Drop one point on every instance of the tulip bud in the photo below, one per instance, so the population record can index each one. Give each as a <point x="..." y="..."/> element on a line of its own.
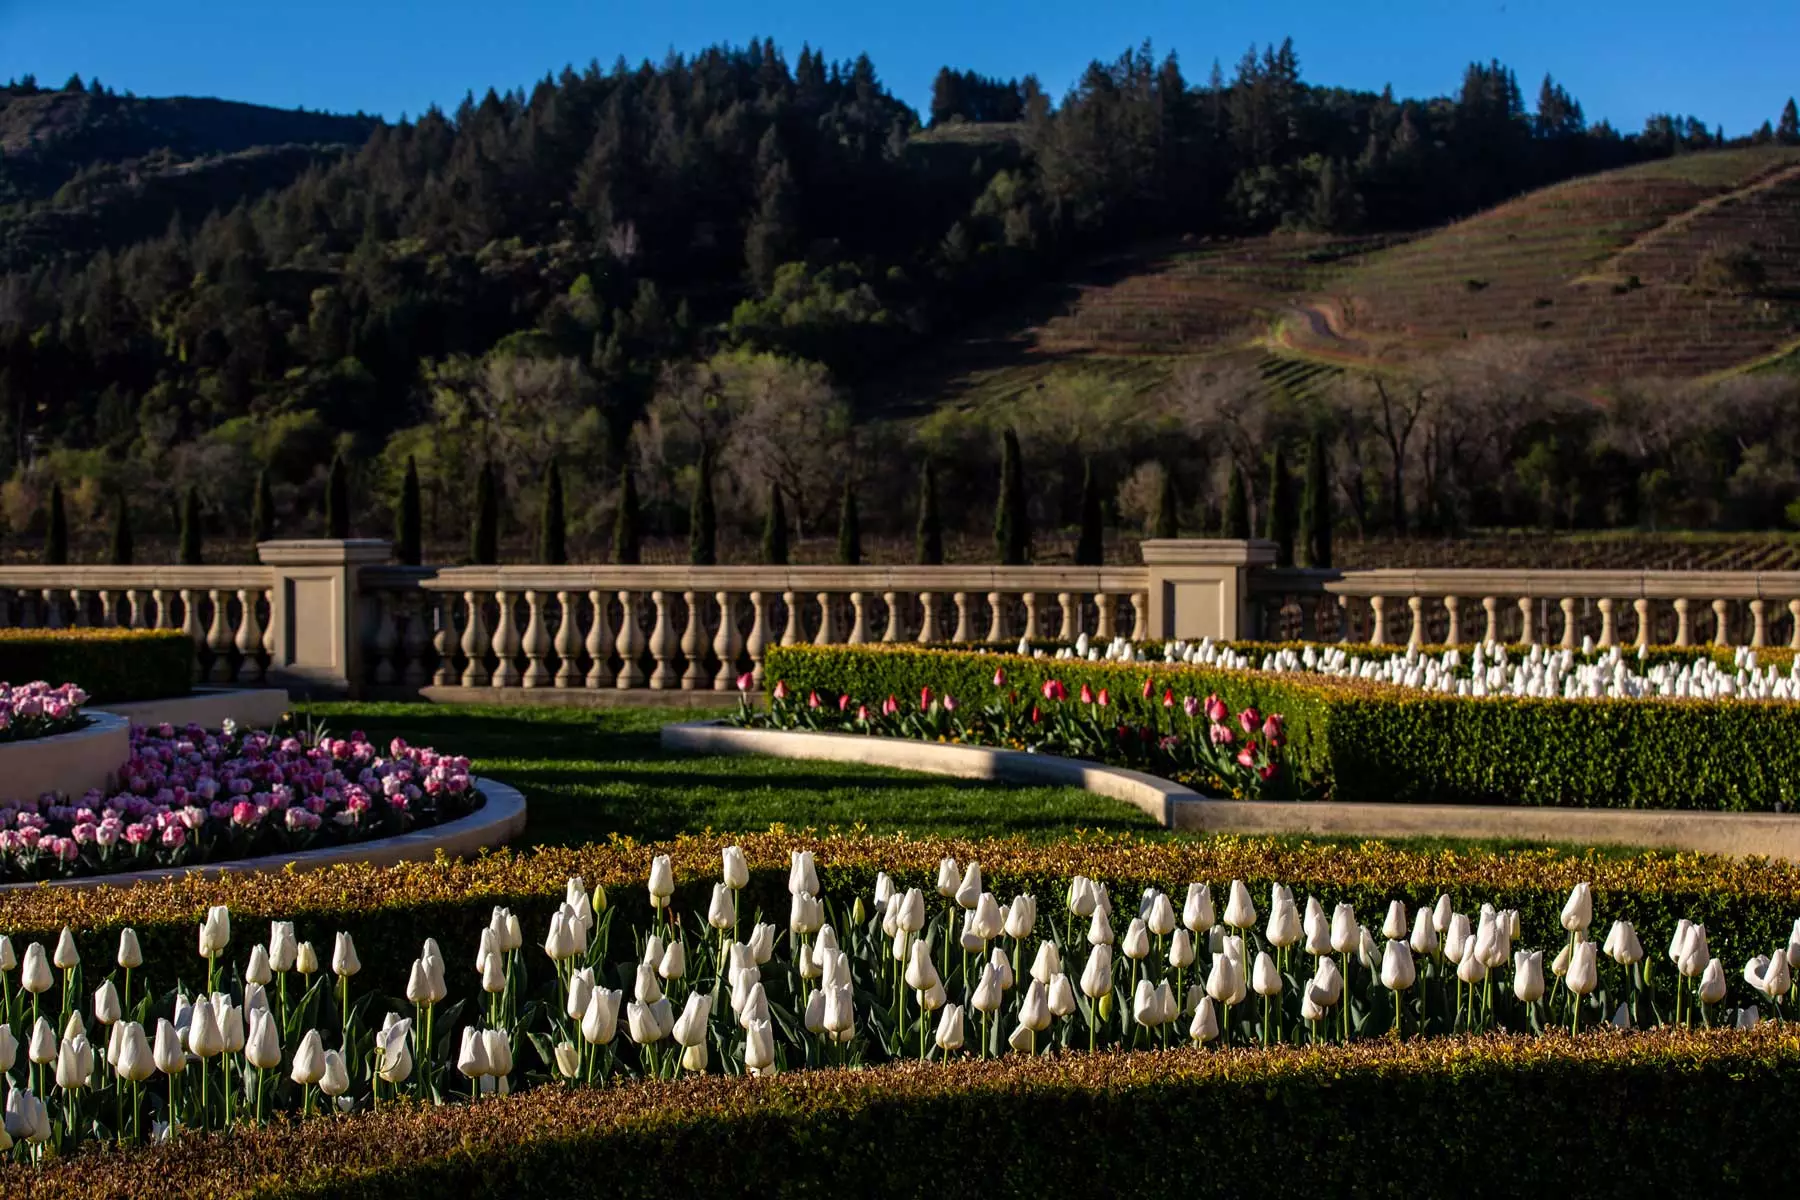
<point x="1345" y="932"/>
<point x="1578" y="911"/>
<point x="1424" y="933"/>
<point x="1441" y="913"/>
<point x="1622" y="944"/>
<point x="759" y="1047"/>
<point x="1240" y="910"/>
<point x="1021" y="916"/>
<point x="35" y="975"/>
<point x="1712" y="982"/>
<point x="1205" y="1026"/>
<point x="309" y="1060"/>
<point x="662" y="881"/>
<point x="1584" y="970"/>
<point x="1397" y="971"/>
<point x="1284" y="928"/>
<point x="1394" y="928"/>
<point x="948" y="877"/>
<point x="1096" y="976"/>
<point x="1181" y="950"/>
<point x="1136" y="943"/>
<point x="306" y="959"/>
<point x="262" y="1049"/>
<point x="169" y="1054"/>
<point x="1528" y="975"/>
<point x="336" y="1080"/>
<point x="1265" y="979"/>
<point x="66" y="957"/>
<point x="344" y="962"/>
<point x="734" y="869"/>
<point x="1197" y="911"/>
<point x="106" y="1003"/>
<point x="131" y="956"/>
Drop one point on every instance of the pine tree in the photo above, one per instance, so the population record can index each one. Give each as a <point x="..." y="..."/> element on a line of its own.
<point x="407" y="518"/>
<point x="262" y="509"/>
<point x="1090" y="547"/>
<point x="775" y="531"/>
<point x="1787" y="130"/>
<point x="1165" y="523"/>
<point x="703" y="517"/>
<point x="1315" y="506"/>
<point x="931" y="526"/>
<point x="1012" y="533"/>
<point x="1278" y="526"/>
<point x="190" y="555"/>
<point x="553" y="547"/>
<point x="849" y="548"/>
<point x="56" y="540"/>
<point x="1237" y="508"/>
<point x="337" y="500"/>
<point x="121" y="539"/>
<point x="484" y="537"/>
<point x="627" y="547"/>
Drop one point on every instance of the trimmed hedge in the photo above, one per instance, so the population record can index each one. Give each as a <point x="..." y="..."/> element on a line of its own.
<point x="1358" y="740"/>
<point x="112" y="666"/>
<point x="1605" y="1115"/>
<point x="1747" y="905"/>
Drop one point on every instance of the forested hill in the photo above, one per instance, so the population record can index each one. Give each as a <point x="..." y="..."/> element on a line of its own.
<point x="575" y="240"/>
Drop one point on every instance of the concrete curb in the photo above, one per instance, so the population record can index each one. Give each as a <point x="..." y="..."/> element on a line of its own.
<point x="1774" y="835"/>
<point x="251" y="708"/>
<point x="70" y="763"/>
<point x="500" y="819"/>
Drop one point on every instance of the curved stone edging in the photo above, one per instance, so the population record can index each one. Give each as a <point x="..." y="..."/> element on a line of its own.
<point x="500" y="818"/>
<point x="71" y="763"/>
<point x="1775" y="835"/>
<point x="254" y="708"/>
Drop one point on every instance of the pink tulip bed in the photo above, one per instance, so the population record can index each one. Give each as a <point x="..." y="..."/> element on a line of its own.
<point x="37" y="710"/>
<point x="1200" y="741"/>
<point x="189" y="796"/>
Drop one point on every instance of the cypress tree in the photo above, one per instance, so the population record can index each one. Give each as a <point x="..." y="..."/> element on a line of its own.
<point x="849" y="550"/>
<point x="484" y="537"/>
<point x="1090" y="547"/>
<point x="1278" y="525"/>
<point x="553" y="547"/>
<point x="775" y="532"/>
<point x="121" y="539"/>
<point x="1163" y="523"/>
<point x="407" y="519"/>
<point x="337" y="500"/>
<point x="1315" y="506"/>
<point x="56" y="539"/>
<point x="1012" y="534"/>
<point x="931" y="526"/>
<point x="262" y="509"/>
<point x="627" y="548"/>
<point x="1237" y="508"/>
<point x="190" y="528"/>
<point x="703" y="518"/>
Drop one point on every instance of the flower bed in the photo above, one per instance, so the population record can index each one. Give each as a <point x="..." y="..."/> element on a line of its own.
<point x="1321" y="1122"/>
<point x="188" y="797"/>
<point x="1366" y="741"/>
<point x="941" y="970"/>
<point x="37" y="710"/>
<point x="111" y="665"/>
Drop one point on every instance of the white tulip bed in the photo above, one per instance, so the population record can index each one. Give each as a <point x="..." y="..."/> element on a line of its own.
<point x="1485" y="670"/>
<point x="282" y="1026"/>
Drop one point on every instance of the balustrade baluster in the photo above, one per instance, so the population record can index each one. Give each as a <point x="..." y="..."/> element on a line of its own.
<point x="894" y="632"/>
<point x="1033" y="617"/>
<point x="52" y="610"/>
<point x="662" y="645"/>
<point x="568" y="642"/>
<point x="758" y="641"/>
<point x="1641" y="606"/>
<point x="165" y="612"/>
<point x="1759" y="623"/>
<point x="963" y="632"/>
<point x="251" y="667"/>
<point x="1378" y="635"/>
<point x="1684" y="631"/>
<point x="443" y="639"/>
<point x="1721" y="622"/>
<point x="536" y="642"/>
<point x="109" y="608"/>
<point x="996" y="617"/>
<point x="475" y="643"/>
<point x="1609" y="632"/>
<point x="1106" y="624"/>
<point x="219" y="638"/>
<point x="1528" y="632"/>
<point x="1415" y="637"/>
<point x="267" y="596"/>
<point x="1794" y="616"/>
<point x="600" y="641"/>
<point x="1570" y="623"/>
<point x="859" y="620"/>
<point x="828" y="634"/>
<point x="1140" y="616"/>
<point x="506" y="642"/>
<point x="693" y="643"/>
<point x="1452" y="620"/>
<point x="196" y="632"/>
<point x="793" y="633"/>
<point x="928" y="620"/>
<point x="631" y="643"/>
<point x="1071" y="616"/>
<point x="415" y="640"/>
<point x="728" y="643"/>
<point x="387" y="638"/>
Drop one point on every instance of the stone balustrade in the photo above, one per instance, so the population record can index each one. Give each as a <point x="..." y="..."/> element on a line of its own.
<point x="1556" y="608"/>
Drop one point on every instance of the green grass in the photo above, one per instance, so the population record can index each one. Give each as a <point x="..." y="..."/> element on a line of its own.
<point x="587" y="774"/>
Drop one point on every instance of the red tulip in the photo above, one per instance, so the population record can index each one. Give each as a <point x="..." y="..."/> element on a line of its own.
<point x="812" y="699"/>
<point x="781" y="692"/>
<point x="1216" y="710"/>
<point x="1168" y="697"/>
<point x="924" y="698"/>
<point x="999" y="677"/>
<point x="1149" y="688"/>
<point x="1221" y="735"/>
<point x="746" y="681"/>
<point x="889" y="707"/>
<point x="1247" y="756"/>
<point x="844" y="702"/>
<point x="1249" y="719"/>
<point x="1269" y="771"/>
<point x="1273" y="730"/>
<point x="949" y="703"/>
<point x="1087" y="694"/>
<point x="862" y="712"/>
<point x="1054" y="690"/>
<point x="1104" y="698"/>
<point x="1036" y="716"/>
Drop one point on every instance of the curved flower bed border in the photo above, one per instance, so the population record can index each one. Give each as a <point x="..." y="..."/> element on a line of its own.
<point x="72" y="762"/>
<point x="498" y="819"/>
<point x="1179" y="807"/>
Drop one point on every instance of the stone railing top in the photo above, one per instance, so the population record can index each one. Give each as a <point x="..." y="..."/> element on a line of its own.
<point x="1212" y="552"/>
<point x="147" y="577"/>
<point x="1475" y="583"/>
<point x="312" y="552"/>
<point x="677" y="577"/>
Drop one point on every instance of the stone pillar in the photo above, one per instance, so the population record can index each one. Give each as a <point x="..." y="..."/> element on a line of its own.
<point x="1200" y="587"/>
<point x="314" y="614"/>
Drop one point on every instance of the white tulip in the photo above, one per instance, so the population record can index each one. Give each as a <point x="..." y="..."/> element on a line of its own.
<point x="1316" y="928"/>
<point x="1136" y="942"/>
<point x="722" y="912"/>
<point x="1240" y="910"/>
<point x="911" y="915"/>
<point x="9" y="1049"/>
<point x="949" y="1035"/>
<point x="169" y="1054"/>
<point x="34" y="975"/>
<point x="1284" y="927"/>
<point x="1394" y="928"/>
<point x="968" y="892"/>
<point x="262" y="1048"/>
<point x="560" y="942"/>
<point x="1021" y="917"/>
<point x="1329" y="980"/>
<point x="1345" y="932"/>
<point x="1100" y="931"/>
<point x="1748" y="1016"/>
<point x="649" y="988"/>
<point x="986" y="918"/>
<point x="733" y="867"/>
<point x="499" y="1051"/>
<point x="336" y="1080"/>
<point x="661" y="884"/>
<point x="948" y="876"/>
<point x="1265" y="980"/>
<point x="344" y="962"/>
<point x="759" y="1047"/>
<point x="309" y="1060"/>
<point x="762" y="943"/>
<point x="1584" y="969"/>
<point x="1048" y="963"/>
<point x="1471" y="969"/>
<point x="1458" y="939"/>
<point x="215" y="931"/>
<point x="130" y="955"/>
<point x="1441" y="913"/>
<point x="1224" y="983"/>
<point x="674" y="961"/>
<point x="1161" y="917"/>
<point x="1197" y="912"/>
<point x="1205" y="1026"/>
<point x="1778" y="979"/>
<point x="1712" y="982"/>
<point x="106" y="1003"/>
<point x="805" y="914"/>
<point x="986" y="997"/>
<point x="690" y="1026"/>
<point x="840" y="1012"/>
<point x="134" y="1062"/>
<point x="568" y="1059"/>
<point x="1096" y="976"/>
<point x="1034" y="1009"/>
<point x="74" y="1064"/>
<point x="921" y="972"/>
<point x="1528" y="975"/>
<point x="1061" y="996"/>
<point x="283" y="946"/>
<point x="600" y="1020"/>
<point x="1397" y="970"/>
<point x="803" y="873"/>
<point x="1578" y="911"/>
<point x="1424" y="933"/>
<point x="1622" y="944"/>
<point x="1313" y="1005"/>
<point x="1181" y="950"/>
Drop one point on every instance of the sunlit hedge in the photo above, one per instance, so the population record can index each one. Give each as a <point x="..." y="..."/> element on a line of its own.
<point x="112" y="666"/>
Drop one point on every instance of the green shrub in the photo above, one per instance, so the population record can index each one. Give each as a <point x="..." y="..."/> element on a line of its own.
<point x="1600" y="1116"/>
<point x="1356" y="740"/>
<point x="111" y="665"/>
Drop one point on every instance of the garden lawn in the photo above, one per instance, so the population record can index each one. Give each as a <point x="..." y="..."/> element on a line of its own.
<point x="590" y="773"/>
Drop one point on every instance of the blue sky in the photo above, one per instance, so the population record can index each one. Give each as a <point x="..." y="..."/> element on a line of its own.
<point x="1732" y="65"/>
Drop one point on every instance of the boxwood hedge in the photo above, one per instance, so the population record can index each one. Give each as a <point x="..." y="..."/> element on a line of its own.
<point x="1356" y="740"/>
<point x="112" y="666"/>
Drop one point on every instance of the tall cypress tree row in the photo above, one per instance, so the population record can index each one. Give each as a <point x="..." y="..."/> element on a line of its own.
<point x="553" y="547"/>
<point x="849" y="547"/>
<point x="1090" y="547"/>
<point x="1315" y="506"/>
<point x="703" y="518"/>
<point x="484" y="537"/>
<point x="628" y="537"/>
<point x="262" y="508"/>
<point x="1237" y="508"/>
<point x="1278" y="527"/>
<point x="190" y="555"/>
<point x="1164" y="523"/>
<point x="1012" y="533"/>
<point x="122" y="548"/>
<point x="407" y="518"/>
<point x="931" y="525"/>
<point x="337" y="500"/>
<point x="56" y="538"/>
<point x="775" y="532"/>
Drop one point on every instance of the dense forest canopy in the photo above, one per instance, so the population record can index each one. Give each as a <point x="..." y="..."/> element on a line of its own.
<point x="593" y="270"/>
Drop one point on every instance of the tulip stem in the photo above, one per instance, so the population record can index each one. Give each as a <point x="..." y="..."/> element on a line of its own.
<point x="1396" y="1014"/>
